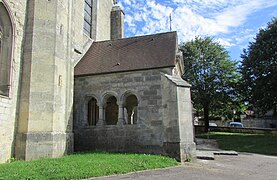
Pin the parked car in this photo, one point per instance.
(211, 124)
(236, 124)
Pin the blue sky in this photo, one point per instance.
(233, 23)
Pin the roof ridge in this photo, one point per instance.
(134, 37)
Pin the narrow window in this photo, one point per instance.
(93, 112)
(131, 105)
(5, 50)
(111, 112)
(88, 17)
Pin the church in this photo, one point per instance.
(70, 81)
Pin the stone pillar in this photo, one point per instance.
(101, 120)
(117, 23)
(121, 120)
(44, 126)
(178, 124)
(125, 115)
(186, 127)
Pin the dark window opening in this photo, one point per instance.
(111, 111)
(131, 105)
(93, 112)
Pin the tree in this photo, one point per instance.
(259, 69)
(213, 76)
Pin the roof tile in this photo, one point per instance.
(136, 53)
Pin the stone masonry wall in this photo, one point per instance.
(8, 105)
(103, 19)
(71, 44)
(145, 136)
(178, 124)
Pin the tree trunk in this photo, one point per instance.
(206, 117)
(275, 111)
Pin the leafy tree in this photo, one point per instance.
(259, 69)
(213, 77)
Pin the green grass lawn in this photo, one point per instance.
(252, 143)
(85, 165)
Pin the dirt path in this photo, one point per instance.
(243, 167)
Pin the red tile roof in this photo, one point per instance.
(129, 54)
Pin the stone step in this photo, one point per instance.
(228, 153)
(210, 155)
(207, 155)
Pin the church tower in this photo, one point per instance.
(45, 112)
(57, 34)
(40, 43)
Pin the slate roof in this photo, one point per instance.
(129, 54)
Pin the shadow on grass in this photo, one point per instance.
(252, 143)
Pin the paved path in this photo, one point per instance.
(242, 167)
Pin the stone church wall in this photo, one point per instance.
(103, 19)
(164, 124)
(70, 44)
(145, 136)
(8, 104)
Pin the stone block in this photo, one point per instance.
(138, 79)
(153, 78)
(150, 92)
(156, 123)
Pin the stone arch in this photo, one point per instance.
(111, 111)
(92, 110)
(89, 96)
(6, 48)
(110, 104)
(106, 95)
(130, 102)
(127, 93)
(85, 108)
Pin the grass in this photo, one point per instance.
(84, 165)
(252, 143)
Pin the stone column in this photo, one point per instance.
(121, 120)
(125, 113)
(101, 120)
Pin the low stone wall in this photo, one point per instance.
(127, 138)
(200, 129)
(259, 123)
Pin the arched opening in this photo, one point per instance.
(111, 111)
(131, 105)
(6, 40)
(93, 112)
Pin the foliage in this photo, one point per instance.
(81, 166)
(213, 77)
(259, 69)
(252, 143)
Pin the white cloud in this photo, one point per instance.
(192, 18)
(226, 42)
